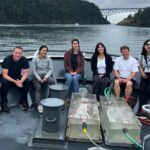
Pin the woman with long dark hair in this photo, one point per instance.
(144, 68)
(101, 65)
(74, 66)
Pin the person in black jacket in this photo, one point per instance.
(101, 65)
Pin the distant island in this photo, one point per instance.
(141, 19)
(50, 12)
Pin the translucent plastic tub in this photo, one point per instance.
(116, 115)
(83, 109)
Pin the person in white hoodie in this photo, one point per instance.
(42, 67)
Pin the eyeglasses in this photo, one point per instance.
(147, 44)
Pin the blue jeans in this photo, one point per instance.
(72, 80)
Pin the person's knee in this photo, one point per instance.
(75, 78)
(129, 84)
(69, 78)
(37, 87)
(96, 78)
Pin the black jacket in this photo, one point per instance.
(108, 61)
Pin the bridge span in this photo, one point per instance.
(111, 11)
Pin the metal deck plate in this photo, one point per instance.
(43, 139)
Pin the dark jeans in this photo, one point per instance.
(38, 86)
(23, 90)
(99, 85)
(144, 92)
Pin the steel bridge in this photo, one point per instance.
(111, 11)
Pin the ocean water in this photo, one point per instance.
(58, 37)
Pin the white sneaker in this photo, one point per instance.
(40, 109)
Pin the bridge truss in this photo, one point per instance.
(111, 11)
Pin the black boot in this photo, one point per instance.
(4, 108)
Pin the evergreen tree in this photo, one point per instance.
(50, 11)
(141, 18)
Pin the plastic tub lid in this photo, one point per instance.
(52, 102)
(57, 87)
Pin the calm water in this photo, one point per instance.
(58, 37)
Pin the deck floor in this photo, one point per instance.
(17, 128)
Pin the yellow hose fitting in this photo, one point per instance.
(84, 130)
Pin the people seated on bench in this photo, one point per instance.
(144, 68)
(125, 68)
(15, 72)
(101, 65)
(74, 66)
(42, 67)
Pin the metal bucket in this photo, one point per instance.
(51, 114)
(58, 91)
(146, 143)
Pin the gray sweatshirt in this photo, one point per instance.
(42, 68)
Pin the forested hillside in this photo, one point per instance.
(50, 11)
(141, 18)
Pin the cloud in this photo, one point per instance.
(121, 3)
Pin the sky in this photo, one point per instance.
(120, 4)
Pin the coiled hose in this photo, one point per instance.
(108, 91)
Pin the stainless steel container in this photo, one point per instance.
(57, 91)
(51, 114)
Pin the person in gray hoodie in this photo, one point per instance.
(42, 67)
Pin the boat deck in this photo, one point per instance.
(18, 127)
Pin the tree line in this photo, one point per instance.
(50, 12)
(141, 18)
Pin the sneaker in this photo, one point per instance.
(24, 106)
(5, 108)
(40, 109)
(67, 102)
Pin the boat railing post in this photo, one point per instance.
(35, 54)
